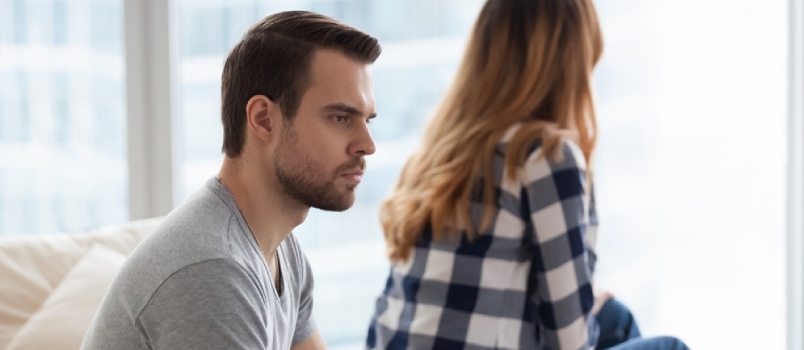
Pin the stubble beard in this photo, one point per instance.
(301, 180)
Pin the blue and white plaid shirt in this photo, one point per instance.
(524, 283)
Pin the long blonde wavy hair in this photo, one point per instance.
(527, 62)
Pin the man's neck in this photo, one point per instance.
(269, 212)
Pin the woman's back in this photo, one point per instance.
(491, 226)
(487, 224)
(522, 282)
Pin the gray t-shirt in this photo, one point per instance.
(199, 281)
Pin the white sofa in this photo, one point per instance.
(51, 285)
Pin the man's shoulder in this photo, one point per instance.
(138, 303)
(203, 230)
(198, 230)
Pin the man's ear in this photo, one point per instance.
(263, 117)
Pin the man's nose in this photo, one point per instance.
(364, 144)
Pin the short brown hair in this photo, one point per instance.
(274, 58)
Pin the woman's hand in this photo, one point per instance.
(601, 297)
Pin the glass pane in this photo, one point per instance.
(62, 116)
(690, 168)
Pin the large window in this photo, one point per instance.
(689, 171)
(62, 137)
(691, 167)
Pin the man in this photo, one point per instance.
(223, 271)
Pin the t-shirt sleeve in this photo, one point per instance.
(208, 305)
(305, 323)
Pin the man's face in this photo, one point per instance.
(319, 160)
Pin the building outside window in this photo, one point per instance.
(62, 137)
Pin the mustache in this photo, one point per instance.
(356, 164)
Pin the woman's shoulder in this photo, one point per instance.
(569, 154)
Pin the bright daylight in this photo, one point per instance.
(401, 174)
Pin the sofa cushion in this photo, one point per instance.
(32, 266)
(65, 315)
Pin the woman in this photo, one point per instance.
(491, 226)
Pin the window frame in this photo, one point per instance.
(795, 178)
(151, 111)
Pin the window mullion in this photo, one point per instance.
(150, 81)
(795, 182)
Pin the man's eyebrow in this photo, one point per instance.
(340, 107)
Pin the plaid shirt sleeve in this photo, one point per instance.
(554, 196)
(591, 231)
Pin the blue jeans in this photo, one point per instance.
(619, 331)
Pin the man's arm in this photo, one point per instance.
(208, 305)
(314, 342)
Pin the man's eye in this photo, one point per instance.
(340, 118)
